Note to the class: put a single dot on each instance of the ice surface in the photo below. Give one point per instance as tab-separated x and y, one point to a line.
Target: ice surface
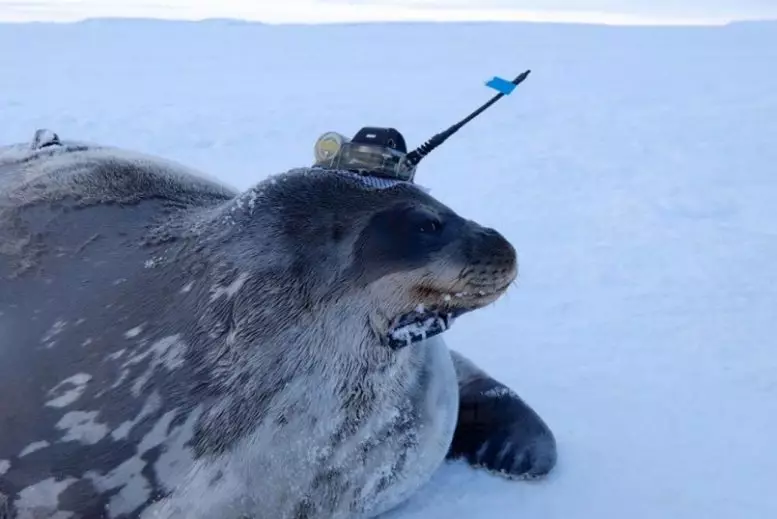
635	171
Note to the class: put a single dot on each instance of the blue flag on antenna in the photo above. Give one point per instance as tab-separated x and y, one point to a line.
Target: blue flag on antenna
501	85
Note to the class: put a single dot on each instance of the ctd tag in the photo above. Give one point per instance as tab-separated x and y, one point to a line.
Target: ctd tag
501	85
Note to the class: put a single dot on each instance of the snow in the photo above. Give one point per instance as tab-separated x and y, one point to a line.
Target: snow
634	171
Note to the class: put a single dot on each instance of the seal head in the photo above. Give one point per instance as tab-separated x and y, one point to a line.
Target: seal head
420	264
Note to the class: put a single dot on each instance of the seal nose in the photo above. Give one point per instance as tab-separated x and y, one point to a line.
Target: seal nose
492	254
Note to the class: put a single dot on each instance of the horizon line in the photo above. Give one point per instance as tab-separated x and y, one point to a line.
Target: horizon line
247	21
362	15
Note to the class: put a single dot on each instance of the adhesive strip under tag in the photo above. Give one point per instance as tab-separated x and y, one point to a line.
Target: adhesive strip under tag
377	182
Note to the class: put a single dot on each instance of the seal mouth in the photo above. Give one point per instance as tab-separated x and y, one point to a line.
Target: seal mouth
426	321
419	325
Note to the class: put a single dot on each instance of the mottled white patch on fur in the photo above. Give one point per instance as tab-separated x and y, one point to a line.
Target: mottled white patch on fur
82	426
122	377
75	387
158	434
135	488
34	446
42	499
172	463
153	403
5	465
168	351
116	355
177	458
134	332
230	290
56	329
177	470
141	381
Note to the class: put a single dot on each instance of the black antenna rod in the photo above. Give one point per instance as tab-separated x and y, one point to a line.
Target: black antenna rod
415	156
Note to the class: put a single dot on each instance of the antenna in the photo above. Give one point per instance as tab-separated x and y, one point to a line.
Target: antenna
415	156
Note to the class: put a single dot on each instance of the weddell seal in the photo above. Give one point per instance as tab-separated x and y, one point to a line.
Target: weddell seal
172	348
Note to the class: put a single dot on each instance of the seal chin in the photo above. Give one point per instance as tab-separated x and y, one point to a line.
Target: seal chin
426	321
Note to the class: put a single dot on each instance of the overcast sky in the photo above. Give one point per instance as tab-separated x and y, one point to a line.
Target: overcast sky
312	11
748	8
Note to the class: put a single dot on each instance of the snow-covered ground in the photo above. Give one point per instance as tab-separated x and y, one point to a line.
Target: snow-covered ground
635	171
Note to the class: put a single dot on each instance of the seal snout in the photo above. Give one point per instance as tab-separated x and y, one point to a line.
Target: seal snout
491	267
491	256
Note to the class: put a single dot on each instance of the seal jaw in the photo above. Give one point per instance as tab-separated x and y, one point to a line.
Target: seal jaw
424	322
417	326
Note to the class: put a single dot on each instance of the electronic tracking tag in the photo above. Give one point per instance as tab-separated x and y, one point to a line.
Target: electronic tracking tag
381	152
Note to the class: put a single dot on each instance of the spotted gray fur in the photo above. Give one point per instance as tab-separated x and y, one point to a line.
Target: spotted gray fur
183	350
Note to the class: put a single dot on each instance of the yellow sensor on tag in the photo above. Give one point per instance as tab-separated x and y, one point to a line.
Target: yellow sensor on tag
327	146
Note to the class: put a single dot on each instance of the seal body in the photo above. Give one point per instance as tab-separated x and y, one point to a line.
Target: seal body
176	349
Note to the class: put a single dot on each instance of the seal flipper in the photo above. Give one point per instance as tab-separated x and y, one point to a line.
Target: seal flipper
497	430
